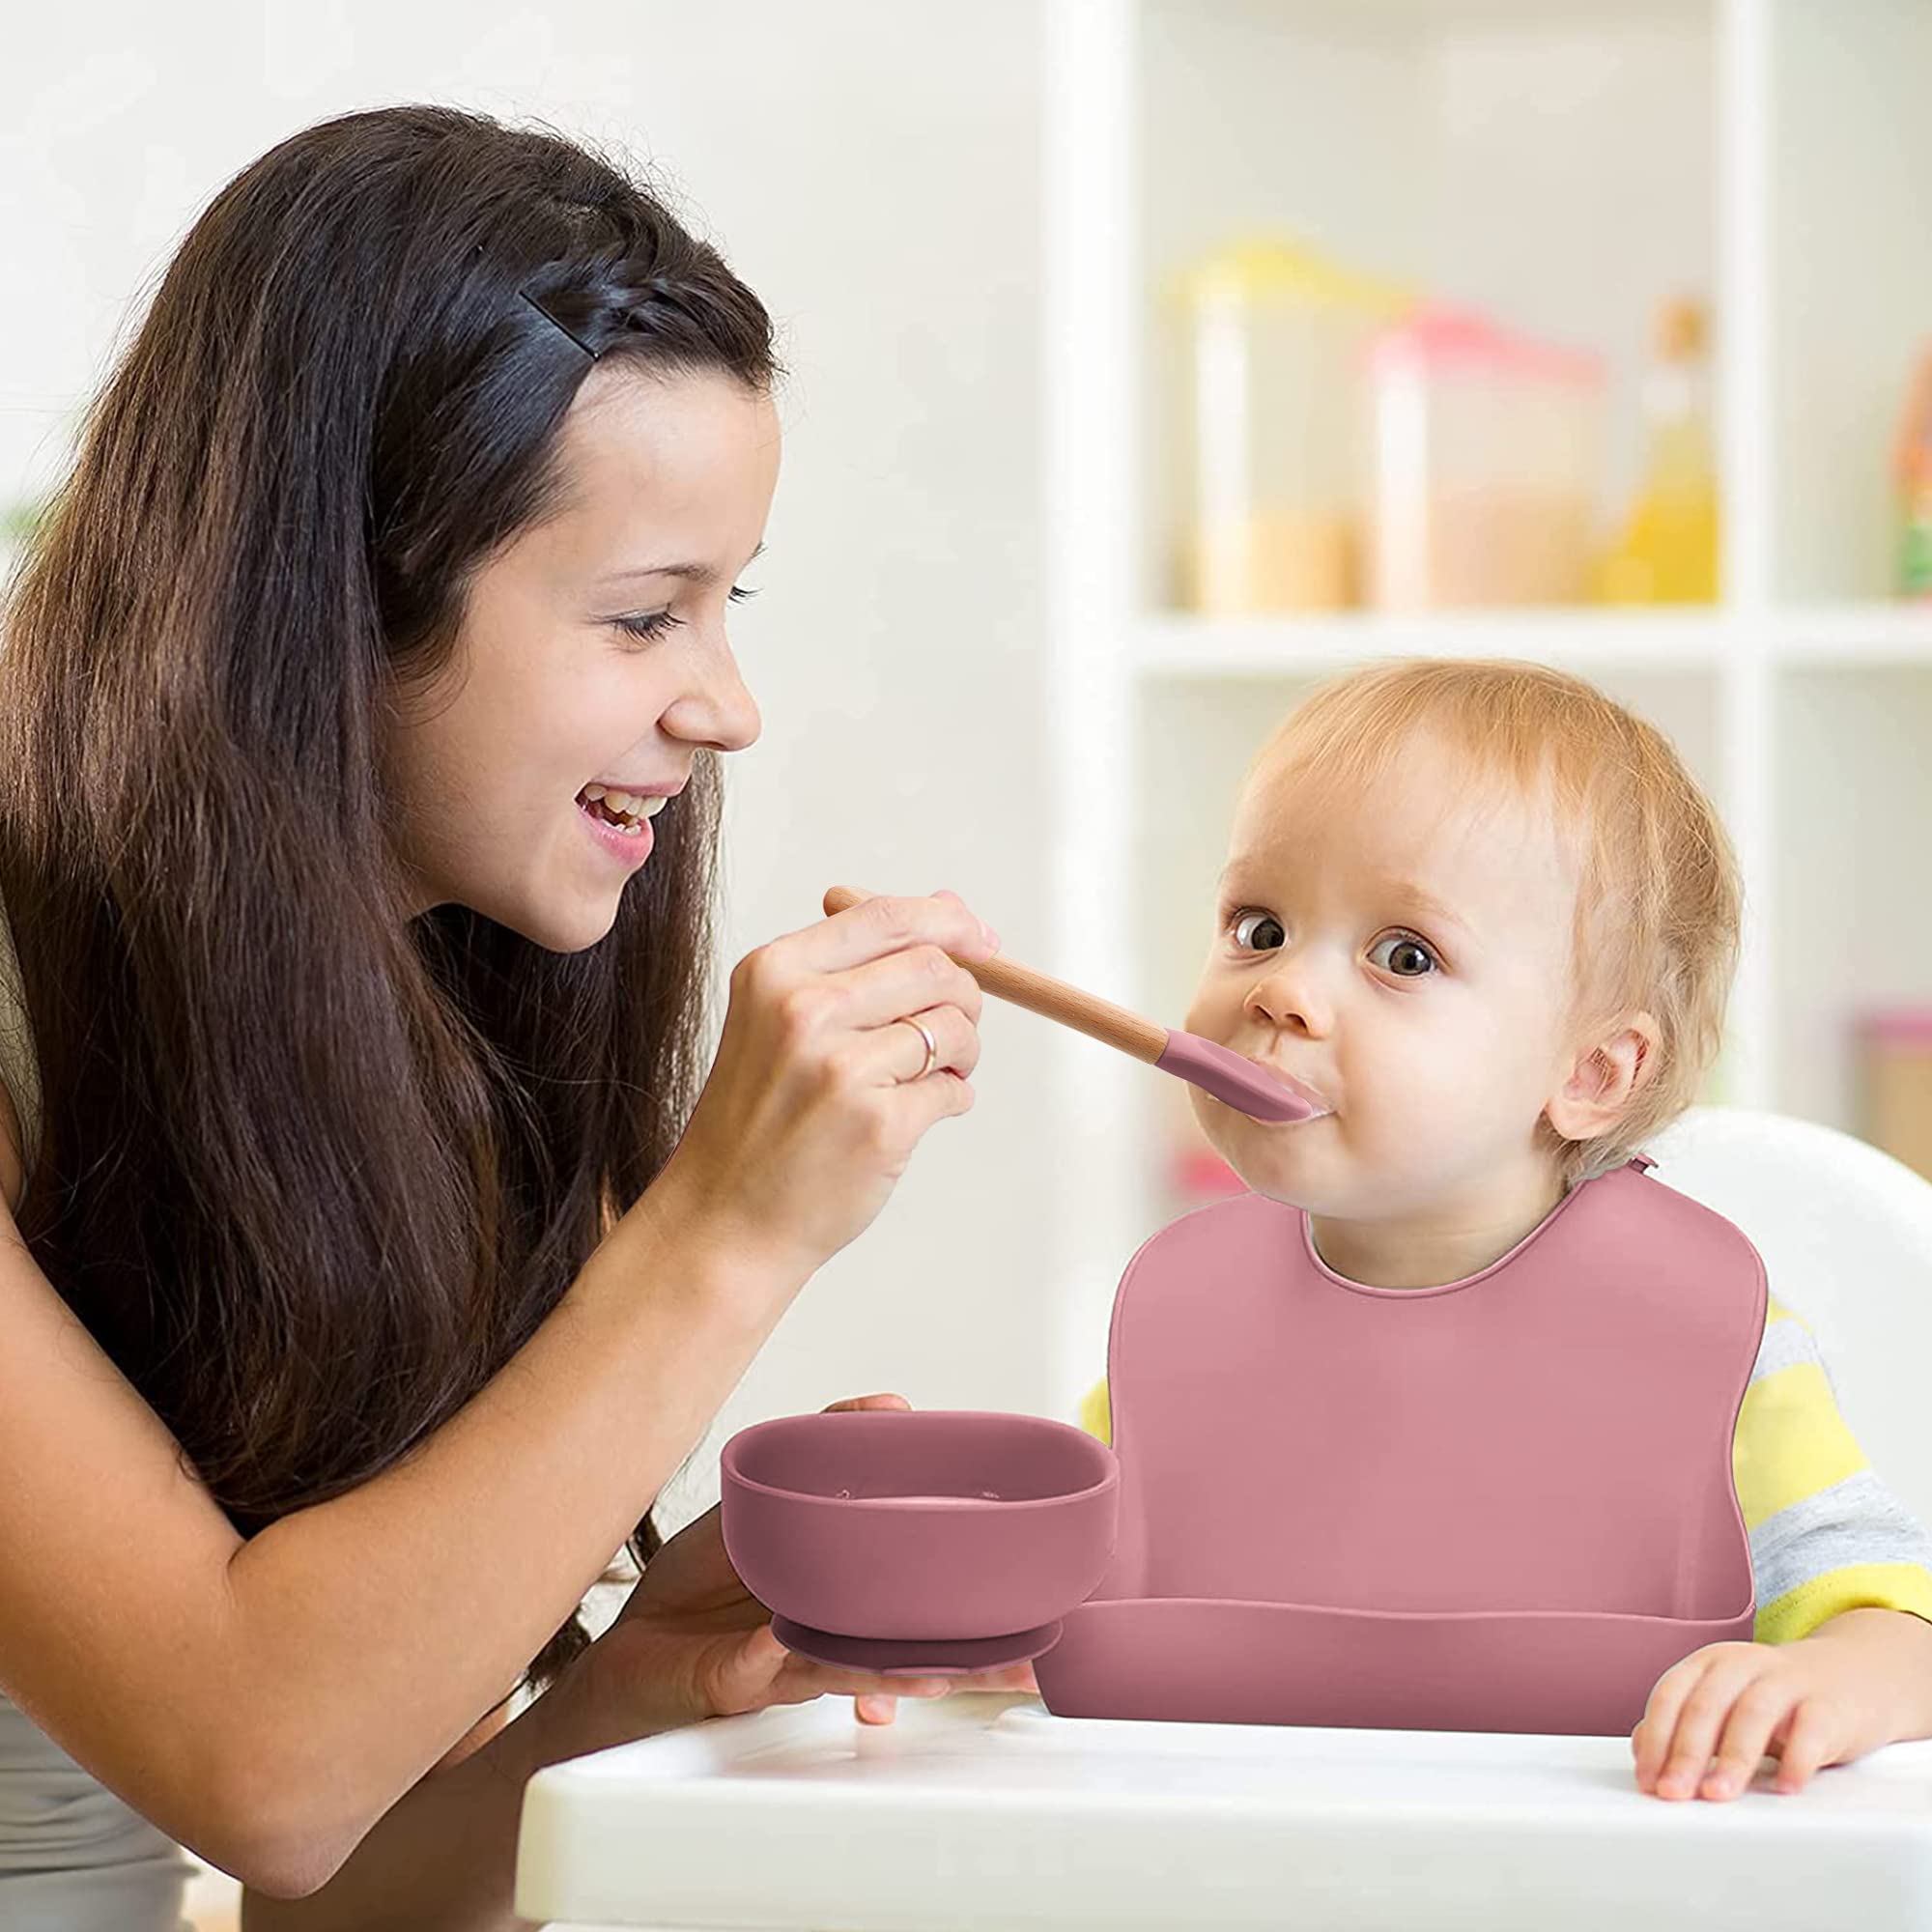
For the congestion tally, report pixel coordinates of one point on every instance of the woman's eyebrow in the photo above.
(696, 572)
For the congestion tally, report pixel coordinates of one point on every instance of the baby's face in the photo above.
(1409, 954)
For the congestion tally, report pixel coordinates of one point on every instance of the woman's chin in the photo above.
(578, 927)
(558, 922)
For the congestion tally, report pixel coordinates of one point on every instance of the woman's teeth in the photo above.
(625, 809)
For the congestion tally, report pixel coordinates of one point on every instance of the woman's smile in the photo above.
(620, 822)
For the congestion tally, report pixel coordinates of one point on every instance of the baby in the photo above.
(1484, 912)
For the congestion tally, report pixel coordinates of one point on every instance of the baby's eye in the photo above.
(1407, 948)
(1265, 929)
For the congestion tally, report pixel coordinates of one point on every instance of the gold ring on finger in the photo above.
(931, 1045)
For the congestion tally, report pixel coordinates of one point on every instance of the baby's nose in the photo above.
(1292, 1000)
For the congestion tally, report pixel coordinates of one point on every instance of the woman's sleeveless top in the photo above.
(73, 1857)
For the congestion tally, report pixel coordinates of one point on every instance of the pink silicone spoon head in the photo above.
(1231, 1077)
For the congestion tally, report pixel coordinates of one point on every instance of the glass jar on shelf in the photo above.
(1484, 455)
(1271, 520)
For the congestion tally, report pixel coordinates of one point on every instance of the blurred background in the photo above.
(1148, 360)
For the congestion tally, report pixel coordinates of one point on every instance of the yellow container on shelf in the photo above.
(1895, 1082)
(1273, 498)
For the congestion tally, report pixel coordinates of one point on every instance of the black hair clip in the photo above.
(652, 289)
(554, 322)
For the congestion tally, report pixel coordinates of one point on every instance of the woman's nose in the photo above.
(718, 712)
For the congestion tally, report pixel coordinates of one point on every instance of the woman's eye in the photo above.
(1407, 948)
(649, 628)
(1264, 931)
(656, 624)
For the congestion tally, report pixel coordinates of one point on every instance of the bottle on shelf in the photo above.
(1667, 550)
(1914, 475)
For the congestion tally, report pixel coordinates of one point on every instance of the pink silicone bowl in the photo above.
(945, 1524)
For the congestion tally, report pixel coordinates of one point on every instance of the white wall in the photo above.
(870, 167)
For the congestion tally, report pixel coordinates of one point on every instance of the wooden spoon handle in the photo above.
(1050, 998)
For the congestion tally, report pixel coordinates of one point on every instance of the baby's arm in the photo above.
(1843, 1660)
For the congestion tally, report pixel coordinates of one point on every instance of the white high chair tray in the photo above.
(980, 1810)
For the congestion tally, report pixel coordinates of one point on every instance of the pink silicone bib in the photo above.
(1502, 1504)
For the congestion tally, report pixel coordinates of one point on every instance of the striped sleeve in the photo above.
(1826, 1533)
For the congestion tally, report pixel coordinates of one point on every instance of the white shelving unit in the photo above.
(1569, 163)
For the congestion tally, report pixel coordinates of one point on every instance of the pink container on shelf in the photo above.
(1482, 460)
(1895, 1082)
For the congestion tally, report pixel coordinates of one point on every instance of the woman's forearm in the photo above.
(443, 1858)
(372, 1631)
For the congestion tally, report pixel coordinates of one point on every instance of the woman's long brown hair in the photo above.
(311, 1170)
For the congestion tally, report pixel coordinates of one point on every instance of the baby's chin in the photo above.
(1274, 1161)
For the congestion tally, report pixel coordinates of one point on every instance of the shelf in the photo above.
(1856, 633)
(1176, 646)
(1484, 153)
(1848, 281)
(1589, 642)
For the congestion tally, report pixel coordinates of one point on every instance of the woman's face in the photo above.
(592, 654)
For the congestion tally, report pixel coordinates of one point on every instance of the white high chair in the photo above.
(1846, 1235)
(985, 1810)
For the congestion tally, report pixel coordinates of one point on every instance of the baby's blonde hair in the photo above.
(1658, 900)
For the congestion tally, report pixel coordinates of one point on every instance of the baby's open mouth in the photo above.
(1295, 1085)
(627, 811)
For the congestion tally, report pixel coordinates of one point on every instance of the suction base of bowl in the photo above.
(916, 1657)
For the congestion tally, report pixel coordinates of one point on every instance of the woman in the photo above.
(369, 1266)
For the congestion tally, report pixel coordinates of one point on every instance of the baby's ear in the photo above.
(1603, 1079)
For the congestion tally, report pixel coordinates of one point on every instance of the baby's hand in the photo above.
(1810, 1703)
